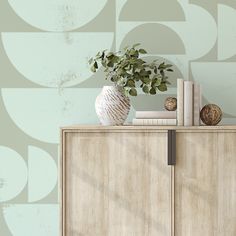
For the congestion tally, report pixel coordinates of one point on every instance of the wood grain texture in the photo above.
(155, 128)
(205, 184)
(116, 184)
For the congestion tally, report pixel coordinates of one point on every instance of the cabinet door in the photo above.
(116, 184)
(205, 184)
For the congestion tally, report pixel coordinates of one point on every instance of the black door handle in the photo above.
(171, 147)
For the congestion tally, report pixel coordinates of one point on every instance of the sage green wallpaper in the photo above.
(46, 83)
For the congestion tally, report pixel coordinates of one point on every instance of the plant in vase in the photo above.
(127, 70)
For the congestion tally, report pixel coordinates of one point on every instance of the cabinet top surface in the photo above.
(148, 128)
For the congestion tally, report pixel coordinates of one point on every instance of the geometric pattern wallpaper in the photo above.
(46, 83)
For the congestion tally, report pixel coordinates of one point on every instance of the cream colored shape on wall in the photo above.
(13, 174)
(226, 32)
(218, 80)
(57, 15)
(54, 59)
(43, 174)
(198, 32)
(32, 219)
(40, 112)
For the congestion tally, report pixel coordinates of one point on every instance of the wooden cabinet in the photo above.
(116, 181)
(205, 184)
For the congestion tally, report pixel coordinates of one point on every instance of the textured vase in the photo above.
(112, 106)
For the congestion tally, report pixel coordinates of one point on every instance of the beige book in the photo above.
(196, 104)
(188, 103)
(180, 102)
(155, 115)
(154, 122)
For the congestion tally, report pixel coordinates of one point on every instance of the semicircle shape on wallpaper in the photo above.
(155, 38)
(57, 15)
(152, 10)
(53, 59)
(43, 111)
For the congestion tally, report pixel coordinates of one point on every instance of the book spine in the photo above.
(188, 103)
(196, 108)
(155, 115)
(180, 102)
(154, 122)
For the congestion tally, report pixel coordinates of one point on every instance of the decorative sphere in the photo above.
(211, 114)
(170, 104)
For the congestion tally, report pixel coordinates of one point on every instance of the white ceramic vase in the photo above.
(112, 106)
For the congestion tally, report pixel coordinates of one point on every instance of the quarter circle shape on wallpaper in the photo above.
(40, 112)
(42, 172)
(57, 15)
(226, 32)
(218, 82)
(167, 41)
(11, 184)
(54, 59)
(198, 32)
(152, 10)
(32, 219)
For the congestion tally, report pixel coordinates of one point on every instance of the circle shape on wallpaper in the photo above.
(13, 174)
(211, 114)
(170, 104)
(57, 15)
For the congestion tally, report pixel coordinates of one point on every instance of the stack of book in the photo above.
(155, 118)
(189, 103)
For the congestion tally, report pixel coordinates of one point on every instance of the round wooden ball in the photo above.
(211, 114)
(170, 104)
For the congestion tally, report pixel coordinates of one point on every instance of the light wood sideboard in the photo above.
(137, 181)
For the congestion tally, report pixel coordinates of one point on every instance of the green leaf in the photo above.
(155, 70)
(146, 80)
(142, 51)
(93, 69)
(161, 65)
(90, 60)
(145, 89)
(131, 83)
(152, 91)
(170, 70)
(158, 82)
(162, 87)
(110, 54)
(136, 45)
(104, 63)
(95, 65)
(110, 64)
(133, 92)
